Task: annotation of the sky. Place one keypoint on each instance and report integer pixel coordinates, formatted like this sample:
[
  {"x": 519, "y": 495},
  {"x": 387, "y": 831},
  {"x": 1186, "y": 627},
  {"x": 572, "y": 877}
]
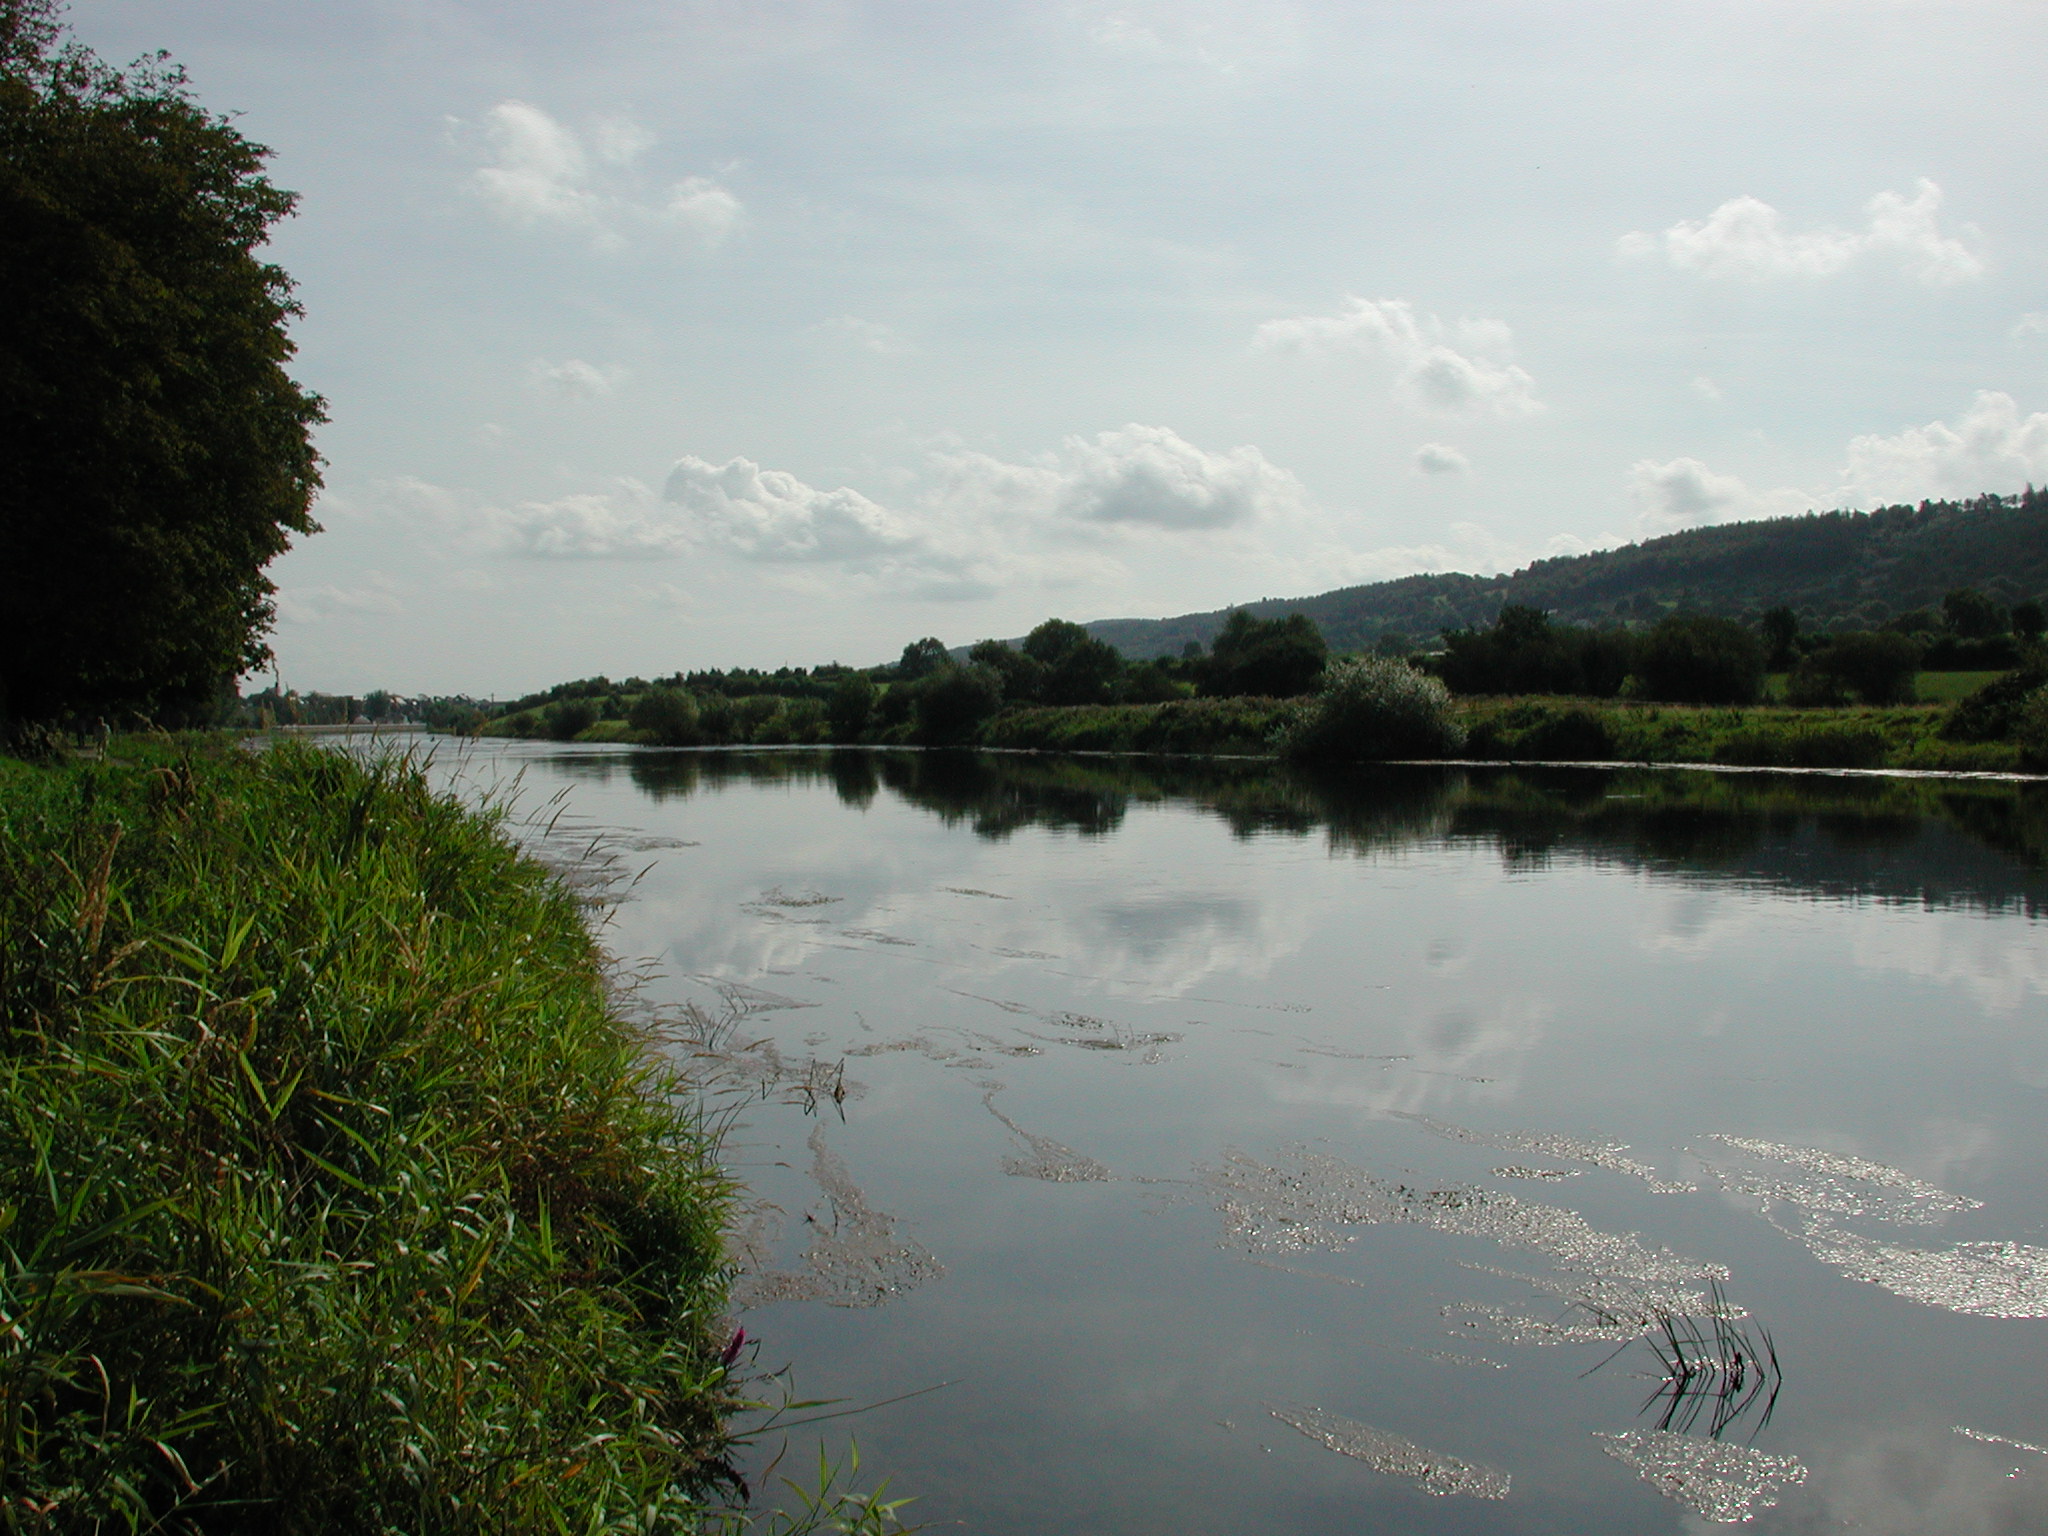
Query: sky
[{"x": 659, "y": 336}]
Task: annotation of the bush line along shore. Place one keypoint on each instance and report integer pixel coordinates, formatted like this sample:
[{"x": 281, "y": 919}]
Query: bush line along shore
[
  {"x": 1975, "y": 735},
  {"x": 1693, "y": 688}
]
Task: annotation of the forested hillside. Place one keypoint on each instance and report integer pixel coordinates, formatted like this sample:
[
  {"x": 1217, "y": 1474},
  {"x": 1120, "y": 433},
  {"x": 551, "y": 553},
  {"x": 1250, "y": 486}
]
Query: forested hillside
[{"x": 1835, "y": 569}]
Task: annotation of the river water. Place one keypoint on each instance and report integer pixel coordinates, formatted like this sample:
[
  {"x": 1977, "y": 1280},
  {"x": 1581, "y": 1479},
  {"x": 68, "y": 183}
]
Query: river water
[{"x": 1415, "y": 1151}]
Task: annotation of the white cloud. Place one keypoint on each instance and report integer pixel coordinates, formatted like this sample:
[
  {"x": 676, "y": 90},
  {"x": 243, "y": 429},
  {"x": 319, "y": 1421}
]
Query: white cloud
[
  {"x": 769, "y": 514},
  {"x": 1746, "y": 238},
  {"x": 1136, "y": 477},
  {"x": 620, "y": 523},
  {"x": 541, "y": 174},
  {"x": 539, "y": 169},
  {"x": 1706, "y": 388},
  {"x": 1140, "y": 474},
  {"x": 1440, "y": 459},
  {"x": 572, "y": 379},
  {"x": 704, "y": 208},
  {"x": 2033, "y": 323},
  {"x": 967, "y": 525},
  {"x": 1684, "y": 493},
  {"x": 1991, "y": 447},
  {"x": 1481, "y": 379}
]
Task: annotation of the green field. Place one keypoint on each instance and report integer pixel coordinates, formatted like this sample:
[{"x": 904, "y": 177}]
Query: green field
[{"x": 1947, "y": 687}]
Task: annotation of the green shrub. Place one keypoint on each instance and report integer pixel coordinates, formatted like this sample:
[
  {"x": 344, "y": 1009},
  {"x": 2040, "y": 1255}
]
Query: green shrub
[
  {"x": 1178, "y": 725},
  {"x": 2030, "y": 730},
  {"x": 851, "y": 705},
  {"x": 568, "y": 719},
  {"x": 1572, "y": 734},
  {"x": 803, "y": 720},
  {"x": 1992, "y": 713},
  {"x": 1373, "y": 707},
  {"x": 717, "y": 719},
  {"x": 1833, "y": 745},
  {"x": 667, "y": 717},
  {"x": 1698, "y": 659},
  {"x": 754, "y": 718},
  {"x": 1871, "y": 667},
  {"x": 953, "y": 701},
  {"x": 1269, "y": 658}
]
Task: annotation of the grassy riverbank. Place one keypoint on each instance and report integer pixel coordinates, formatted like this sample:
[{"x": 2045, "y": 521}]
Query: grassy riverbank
[
  {"x": 337, "y": 1197},
  {"x": 1905, "y": 736},
  {"x": 1523, "y": 728}
]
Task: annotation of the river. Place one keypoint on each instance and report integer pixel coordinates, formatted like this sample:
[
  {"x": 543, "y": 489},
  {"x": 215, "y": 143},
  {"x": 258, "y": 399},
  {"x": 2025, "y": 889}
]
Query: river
[{"x": 1185, "y": 1147}]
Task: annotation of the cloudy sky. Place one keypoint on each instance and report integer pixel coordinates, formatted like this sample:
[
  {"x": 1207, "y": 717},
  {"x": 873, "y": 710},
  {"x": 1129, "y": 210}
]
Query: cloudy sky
[{"x": 750, "y": 332}]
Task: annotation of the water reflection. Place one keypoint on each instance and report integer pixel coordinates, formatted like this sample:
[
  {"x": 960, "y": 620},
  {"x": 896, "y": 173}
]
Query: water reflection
[
  {"x": 1937, "y": 843},
  {"x": 1271, "y": 1152}
]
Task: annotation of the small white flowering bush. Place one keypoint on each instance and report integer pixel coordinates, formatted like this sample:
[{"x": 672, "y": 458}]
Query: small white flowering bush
[{"x": 1373, "y": 707}]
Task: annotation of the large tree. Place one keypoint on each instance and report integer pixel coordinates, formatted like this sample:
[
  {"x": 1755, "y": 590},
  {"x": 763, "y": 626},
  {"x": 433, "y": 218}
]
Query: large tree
[{"x": 155, "y": 455}]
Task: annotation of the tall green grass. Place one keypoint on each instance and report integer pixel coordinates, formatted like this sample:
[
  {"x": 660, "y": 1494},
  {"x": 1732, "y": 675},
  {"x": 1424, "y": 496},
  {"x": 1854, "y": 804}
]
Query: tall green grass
[{"x": 333, "y": 1194}]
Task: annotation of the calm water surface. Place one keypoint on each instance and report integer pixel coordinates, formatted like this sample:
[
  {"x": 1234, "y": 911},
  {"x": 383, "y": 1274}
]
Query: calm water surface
[{"x": 1253, "y": 1154}]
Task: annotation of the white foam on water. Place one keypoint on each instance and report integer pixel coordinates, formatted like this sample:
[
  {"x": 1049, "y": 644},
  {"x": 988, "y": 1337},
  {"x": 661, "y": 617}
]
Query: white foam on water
[
  {"x": 1990, "y": 1439},
  {"x": 1436, "y": 1473},
  {"x": 859, "y": 1260},
  {"x": 1834, "y": 1184},
  {"x": 1053, "y": 1161},
  {"x": 1600, "y": 1154},
  {"x": 1982, "y": 1279},
  {"x": 1719, "y": 1481}
]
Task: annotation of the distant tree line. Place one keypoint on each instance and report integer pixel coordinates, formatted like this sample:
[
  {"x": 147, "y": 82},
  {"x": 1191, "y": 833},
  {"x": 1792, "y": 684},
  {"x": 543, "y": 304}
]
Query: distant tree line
[
  {"x": 1706, "y": 659},
  {"x": 279, "y": 706},
  {"x": 934, "y": 695}
]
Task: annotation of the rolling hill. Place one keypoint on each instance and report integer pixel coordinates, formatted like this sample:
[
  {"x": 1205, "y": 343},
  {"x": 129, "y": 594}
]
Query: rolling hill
[{"x": 1835, "y": 569}]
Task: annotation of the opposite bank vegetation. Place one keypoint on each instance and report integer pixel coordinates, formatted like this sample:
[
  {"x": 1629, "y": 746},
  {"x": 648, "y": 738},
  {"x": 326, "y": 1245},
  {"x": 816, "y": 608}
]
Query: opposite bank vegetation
[
  {"x": 338, "y": 1197},
  {"x": 1693, "y": 688},
  {"x": 2001, "y": 725}
]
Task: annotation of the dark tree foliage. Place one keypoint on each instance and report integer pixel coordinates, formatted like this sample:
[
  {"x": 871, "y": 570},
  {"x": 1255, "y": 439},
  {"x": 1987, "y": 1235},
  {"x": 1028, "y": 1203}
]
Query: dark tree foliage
[
  {"x": 2029, "y": 620},
  {"x": 667, "y": 716},
  {"x": 1781, "y": 638},
  {"x": 1525, "y": 651},
  {"x": 1872, "y": 668},
  {"x": 1265, "y": 658},
  {"x": 157, "y": 455},
  {"x": 1699, "y": 659},
  {"x": 1076, "y": 668},
  {"x": 1950, "y": 653},
  {"x": 598, "y": 687},
  {"x": 1969, "y": 614},
  {"x": 849, "y": 708},
  {"x": 568, "y": 719},
  {"x": 1059, "y": 662},
  {"x": 951, "y": 702},
  {"x": 1052, "y": 640},
  {"x": 1022, "y": 675},
  {"x": 1993, "y": 712},
  {"x": 921, "y": 658}
]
